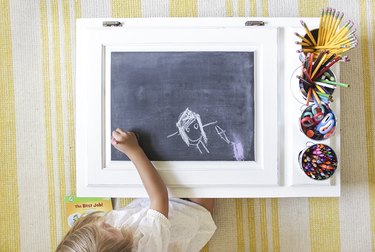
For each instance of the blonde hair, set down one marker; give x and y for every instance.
(86, 235)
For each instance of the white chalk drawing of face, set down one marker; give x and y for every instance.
(195, 131)
(191, 129)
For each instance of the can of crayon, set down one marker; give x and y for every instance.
(318, 161)
(318, 122)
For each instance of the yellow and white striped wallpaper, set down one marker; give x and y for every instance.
(37, 150)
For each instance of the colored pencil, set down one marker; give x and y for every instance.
(308, 96)
(320, 89)
(318, 59)
(304, 81)
(335, 83)
(323, 94)
(318, 66)
(310, 62)
(316, 96)
(327, 67)
(307, 75)
(317, 83)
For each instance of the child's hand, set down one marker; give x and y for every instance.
(125, 142)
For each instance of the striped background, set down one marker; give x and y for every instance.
(37, 150)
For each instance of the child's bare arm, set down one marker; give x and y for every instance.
(207, 203)
(127, 143)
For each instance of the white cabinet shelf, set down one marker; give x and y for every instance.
(278, 140)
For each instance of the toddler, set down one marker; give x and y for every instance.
(154, 224)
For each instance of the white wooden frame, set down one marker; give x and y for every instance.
(274, 175)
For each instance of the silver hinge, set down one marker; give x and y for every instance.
(112, 23)
(254, 23)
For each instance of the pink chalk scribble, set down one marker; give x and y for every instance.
(238, 150)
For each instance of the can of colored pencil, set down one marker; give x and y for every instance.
(304, 85)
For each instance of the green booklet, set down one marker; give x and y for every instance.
(76, 207)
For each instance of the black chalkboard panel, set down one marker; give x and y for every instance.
(185, 106)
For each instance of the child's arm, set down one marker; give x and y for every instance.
(127, 143)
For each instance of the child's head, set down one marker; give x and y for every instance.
(91, 233)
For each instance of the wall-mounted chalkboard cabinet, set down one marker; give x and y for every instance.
(211, 100)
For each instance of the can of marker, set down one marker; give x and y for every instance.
(319, 161)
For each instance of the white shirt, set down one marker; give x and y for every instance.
(188, 228)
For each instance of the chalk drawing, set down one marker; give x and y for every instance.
(192, 132)
(238, 150)
(222, 134)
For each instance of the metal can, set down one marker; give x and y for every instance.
(328, 89)
(318, 122)
(318, 161)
